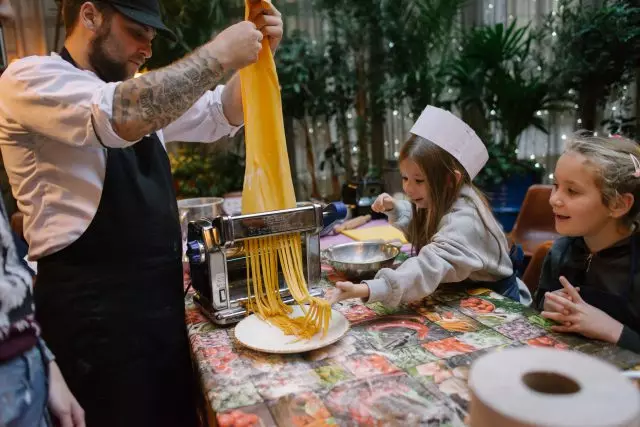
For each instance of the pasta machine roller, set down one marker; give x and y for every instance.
(218, 263)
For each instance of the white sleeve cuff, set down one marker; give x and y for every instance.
(101, 115)
(379, 290)
(203, 122)
(217, 112)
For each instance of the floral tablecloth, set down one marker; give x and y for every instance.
(404, 367)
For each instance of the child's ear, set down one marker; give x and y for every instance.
(621, 205)
(458, 176)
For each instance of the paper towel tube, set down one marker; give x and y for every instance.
(541, 387)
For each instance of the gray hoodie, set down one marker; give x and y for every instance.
(462, 249)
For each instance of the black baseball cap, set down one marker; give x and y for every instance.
(145, 12)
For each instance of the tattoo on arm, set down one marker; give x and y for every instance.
(152, 101)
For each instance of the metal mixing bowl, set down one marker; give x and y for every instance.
(361, 260)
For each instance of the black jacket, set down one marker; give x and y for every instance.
(608, 280)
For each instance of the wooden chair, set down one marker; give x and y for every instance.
(535, 223)
(531, 276)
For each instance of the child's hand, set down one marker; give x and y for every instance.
(583, 318)
(383, 203)
(554, 307)
(347, 290)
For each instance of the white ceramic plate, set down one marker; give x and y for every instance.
(262, 336)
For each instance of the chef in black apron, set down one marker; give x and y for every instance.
(112, 302)
(100, 211)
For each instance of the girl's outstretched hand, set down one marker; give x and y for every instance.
(347, 290)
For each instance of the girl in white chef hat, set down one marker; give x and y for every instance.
(447, 220)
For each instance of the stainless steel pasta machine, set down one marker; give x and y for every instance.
(218, 262)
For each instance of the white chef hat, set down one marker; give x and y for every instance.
(454, 136)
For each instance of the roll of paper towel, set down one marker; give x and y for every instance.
(544, 387)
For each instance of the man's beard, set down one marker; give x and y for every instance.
(106, 68)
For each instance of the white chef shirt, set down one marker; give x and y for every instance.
(51, 115)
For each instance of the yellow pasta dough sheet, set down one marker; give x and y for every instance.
(379, 232)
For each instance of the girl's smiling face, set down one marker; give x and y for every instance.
(414, 183)
(576, 199)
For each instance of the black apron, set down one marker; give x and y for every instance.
(619, 306)
(111, 304)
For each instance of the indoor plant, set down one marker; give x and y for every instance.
(502, 89)
(209, 173)
(597, 49)
(302, 73)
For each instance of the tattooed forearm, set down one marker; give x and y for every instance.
(155, 99)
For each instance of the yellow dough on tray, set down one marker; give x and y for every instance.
(388, 233)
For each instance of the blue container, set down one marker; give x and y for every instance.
(506, 198)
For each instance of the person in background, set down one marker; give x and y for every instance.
(590, 281)
(30, 380)
(447, 220)
(83, 143)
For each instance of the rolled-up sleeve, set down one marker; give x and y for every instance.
(49, 96)
(203, 122)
